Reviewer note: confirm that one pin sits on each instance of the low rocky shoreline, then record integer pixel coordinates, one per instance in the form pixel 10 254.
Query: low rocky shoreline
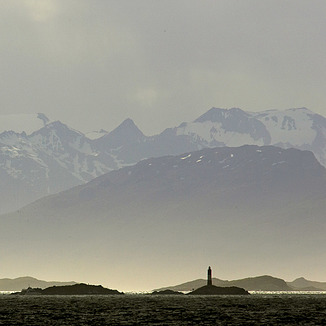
pixel 76 289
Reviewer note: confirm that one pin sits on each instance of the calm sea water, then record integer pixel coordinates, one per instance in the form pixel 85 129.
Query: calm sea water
pixel 257 309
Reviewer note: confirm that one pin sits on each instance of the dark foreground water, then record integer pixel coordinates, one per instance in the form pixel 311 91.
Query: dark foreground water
pixel 163 310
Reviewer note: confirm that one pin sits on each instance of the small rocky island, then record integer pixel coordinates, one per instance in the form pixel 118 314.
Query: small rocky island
pixel 211 289
pixel 76 289
pixel 219 290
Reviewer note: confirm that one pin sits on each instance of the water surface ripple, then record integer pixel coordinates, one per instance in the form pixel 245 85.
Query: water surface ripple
pixel 163 310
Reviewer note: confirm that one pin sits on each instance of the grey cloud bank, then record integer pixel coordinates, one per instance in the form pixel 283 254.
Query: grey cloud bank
pixel 94 63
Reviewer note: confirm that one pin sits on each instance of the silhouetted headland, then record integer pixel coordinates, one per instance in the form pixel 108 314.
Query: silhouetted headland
pixel 76 289
pixel 218 290
pixel 210 289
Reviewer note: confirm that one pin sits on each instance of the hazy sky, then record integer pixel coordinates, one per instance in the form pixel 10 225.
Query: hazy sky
pixel 93 63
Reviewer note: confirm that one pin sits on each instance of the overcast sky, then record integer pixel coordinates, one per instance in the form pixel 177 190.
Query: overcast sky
pixel 93 63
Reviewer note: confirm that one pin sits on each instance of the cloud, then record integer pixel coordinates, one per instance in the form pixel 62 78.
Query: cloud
pixel 159 62
pixel 146 97
pixel 41 10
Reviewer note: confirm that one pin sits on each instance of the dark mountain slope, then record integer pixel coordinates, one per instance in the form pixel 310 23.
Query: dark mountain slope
pixel 244 207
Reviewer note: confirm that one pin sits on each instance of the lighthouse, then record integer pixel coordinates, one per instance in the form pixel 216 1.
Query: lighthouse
pixel 209 276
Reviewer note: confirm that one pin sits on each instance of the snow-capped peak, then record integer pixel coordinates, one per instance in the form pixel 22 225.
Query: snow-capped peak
pixel 217 114
pixel 295 127
pixel 226 127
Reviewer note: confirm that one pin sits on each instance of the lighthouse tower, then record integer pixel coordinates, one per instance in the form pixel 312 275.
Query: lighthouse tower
pixel 209 276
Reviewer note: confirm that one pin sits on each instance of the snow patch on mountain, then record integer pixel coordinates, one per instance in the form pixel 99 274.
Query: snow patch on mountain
pixel 292 126
pixel 214 135
pixel 96 134
pixel 298 128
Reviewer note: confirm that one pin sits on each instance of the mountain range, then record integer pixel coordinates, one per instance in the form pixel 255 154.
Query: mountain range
pixel 47 156
pixel 256 209
pixel 258 283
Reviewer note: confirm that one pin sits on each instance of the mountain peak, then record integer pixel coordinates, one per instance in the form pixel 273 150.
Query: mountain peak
pixel 216 114
pixel 127 122
pixel 58 128
pixel 300 279
pixel 57 125
pixel 128 125
pixel 127 130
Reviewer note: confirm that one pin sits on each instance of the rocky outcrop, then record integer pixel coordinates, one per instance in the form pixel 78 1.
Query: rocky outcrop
pixel 217 290
pixel 76 289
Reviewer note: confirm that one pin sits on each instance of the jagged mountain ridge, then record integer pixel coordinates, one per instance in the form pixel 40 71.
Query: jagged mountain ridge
pixel 49 160
pixel 244 205
pixel 56 157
